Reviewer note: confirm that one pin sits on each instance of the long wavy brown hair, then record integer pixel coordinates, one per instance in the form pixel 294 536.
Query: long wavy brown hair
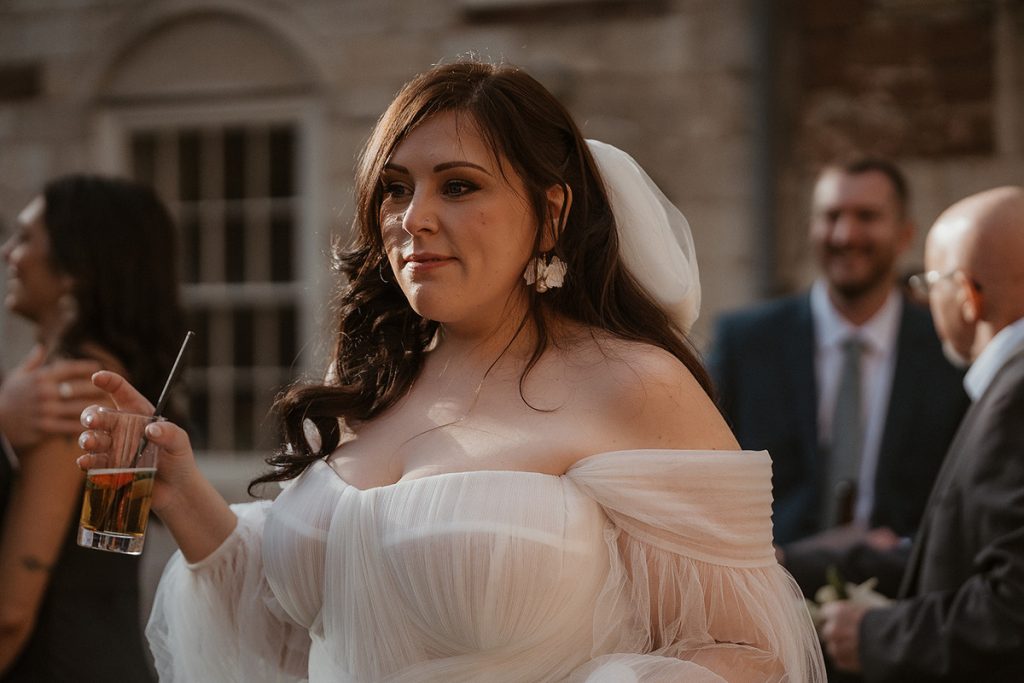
pixel 380 344
pixel 117 241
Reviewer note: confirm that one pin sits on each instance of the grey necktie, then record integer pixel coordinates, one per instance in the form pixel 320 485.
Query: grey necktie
pixel 847 439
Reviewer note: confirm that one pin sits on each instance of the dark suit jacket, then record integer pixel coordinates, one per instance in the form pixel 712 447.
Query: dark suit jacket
pixel 963 616
pixel 763 367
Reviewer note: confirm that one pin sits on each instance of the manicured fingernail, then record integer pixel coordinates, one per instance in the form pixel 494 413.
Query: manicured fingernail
pixel 87 419
pixel 82 438
pixel 154 431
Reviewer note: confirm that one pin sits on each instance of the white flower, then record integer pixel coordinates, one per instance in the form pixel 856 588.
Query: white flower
pixel 546 275
pixel 860 594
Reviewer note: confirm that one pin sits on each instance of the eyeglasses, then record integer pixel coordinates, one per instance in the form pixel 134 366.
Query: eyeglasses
pixel 922 283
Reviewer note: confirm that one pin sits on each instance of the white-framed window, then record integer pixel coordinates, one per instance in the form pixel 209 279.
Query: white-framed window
pixel 241 183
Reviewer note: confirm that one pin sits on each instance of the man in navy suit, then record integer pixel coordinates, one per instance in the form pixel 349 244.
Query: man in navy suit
pixel 779 372
pixel 961 612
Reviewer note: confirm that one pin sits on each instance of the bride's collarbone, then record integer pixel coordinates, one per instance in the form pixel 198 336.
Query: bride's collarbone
pixel 381 453
pixel 436 429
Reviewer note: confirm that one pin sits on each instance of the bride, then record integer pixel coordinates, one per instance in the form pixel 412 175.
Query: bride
pixel 514 471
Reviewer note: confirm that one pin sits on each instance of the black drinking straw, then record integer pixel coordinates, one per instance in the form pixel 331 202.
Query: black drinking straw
pixel 161 402
pixel 117 508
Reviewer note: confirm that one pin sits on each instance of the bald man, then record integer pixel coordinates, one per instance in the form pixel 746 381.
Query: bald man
pixel 961 612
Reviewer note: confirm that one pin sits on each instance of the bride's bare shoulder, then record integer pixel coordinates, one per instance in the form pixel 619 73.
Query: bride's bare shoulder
pixel 619 369
pixel 596 353
pixel 647 397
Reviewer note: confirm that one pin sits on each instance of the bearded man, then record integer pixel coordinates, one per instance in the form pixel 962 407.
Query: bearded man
pixel 846 386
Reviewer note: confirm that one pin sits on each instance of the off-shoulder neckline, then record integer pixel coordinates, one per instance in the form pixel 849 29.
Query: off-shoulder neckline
pixel 576 465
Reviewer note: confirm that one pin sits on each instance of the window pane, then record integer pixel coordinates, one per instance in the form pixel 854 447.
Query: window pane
pixel 244 356
pixel 189 222
pixel 282 160
pixel 199 417
pixel 281 241
pixel 234 245
pixel 144 158
pixel 287 329
pixel 220 345
pixel 268 436
pixel 244 425
pixel 234 163
pixel 188 165
pixel 198 322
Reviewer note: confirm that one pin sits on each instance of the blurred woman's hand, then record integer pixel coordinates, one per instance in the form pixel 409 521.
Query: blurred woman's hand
pixel 38 400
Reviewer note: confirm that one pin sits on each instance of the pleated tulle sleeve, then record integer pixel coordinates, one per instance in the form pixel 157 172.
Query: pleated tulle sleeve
pixel 217 620
pixel 694 591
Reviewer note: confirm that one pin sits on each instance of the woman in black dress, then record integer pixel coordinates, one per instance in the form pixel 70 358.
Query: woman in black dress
pixel 90 261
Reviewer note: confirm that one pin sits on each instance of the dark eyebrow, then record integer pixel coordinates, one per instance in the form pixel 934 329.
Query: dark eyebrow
pixel 457 164
pixel 440 167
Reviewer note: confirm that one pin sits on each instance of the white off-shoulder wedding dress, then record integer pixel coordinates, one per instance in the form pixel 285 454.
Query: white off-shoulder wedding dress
pixel 633 566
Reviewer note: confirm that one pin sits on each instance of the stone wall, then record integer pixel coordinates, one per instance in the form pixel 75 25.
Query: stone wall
pixel 729 104
pixel 668 81
pixel 935 85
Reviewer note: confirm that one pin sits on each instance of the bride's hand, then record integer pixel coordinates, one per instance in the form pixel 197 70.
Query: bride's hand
pixel 176 465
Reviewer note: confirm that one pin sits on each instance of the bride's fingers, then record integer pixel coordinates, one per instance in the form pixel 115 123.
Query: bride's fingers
pixel 170 437
pixel 93 418
pixel 94 441
pixel 99 418
pixel 92 461
pixel 124 395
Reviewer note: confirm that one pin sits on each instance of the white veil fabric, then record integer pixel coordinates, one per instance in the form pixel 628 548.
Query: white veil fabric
pixel 654 238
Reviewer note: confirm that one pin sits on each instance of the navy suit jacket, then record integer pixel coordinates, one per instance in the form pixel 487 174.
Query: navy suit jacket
pixel 962 618
pixel 763 367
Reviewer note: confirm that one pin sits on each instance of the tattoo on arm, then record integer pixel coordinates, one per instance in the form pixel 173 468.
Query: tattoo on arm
pixel 34 564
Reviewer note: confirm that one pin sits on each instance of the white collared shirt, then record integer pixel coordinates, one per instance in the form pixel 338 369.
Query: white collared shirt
pixel 992 358
pixel 878 365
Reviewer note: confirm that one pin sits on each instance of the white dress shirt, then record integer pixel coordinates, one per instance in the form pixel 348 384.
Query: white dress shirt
pixel 992 358
pixel 878 364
